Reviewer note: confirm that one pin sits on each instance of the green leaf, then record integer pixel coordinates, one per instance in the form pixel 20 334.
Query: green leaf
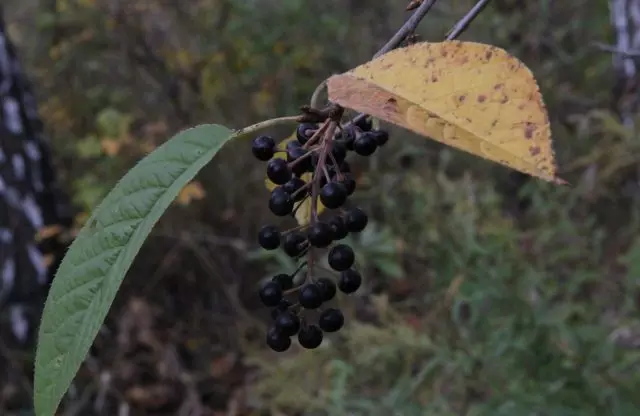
pixel 93 269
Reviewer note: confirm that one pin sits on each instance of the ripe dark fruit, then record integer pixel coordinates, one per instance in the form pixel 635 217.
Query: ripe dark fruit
pixel 288 323
pixel 381 136
pixel 278 171
pixel 305 132
pixel 347 135
pixel 350 281
pixel 284 280
pixel 269 237
pixel 365 124
pixel 292 186
pixel 278 341
pixel 338 227
pixel 365 145
pixel 263 148
pixel 294 243
pixel 356 220
pixel 310 337
pixel 281 307
pixel 341 257
pixel 280 202
pixel 331 320
pixel 271 294
pixel 320 235
pixel 339 152
pixel 349 184
pixel 327 288
pixel 310 296
pixel 303 163
pixel 333 195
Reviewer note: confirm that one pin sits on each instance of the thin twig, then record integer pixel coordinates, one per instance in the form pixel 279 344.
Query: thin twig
pixel 613 49
pixel 466 20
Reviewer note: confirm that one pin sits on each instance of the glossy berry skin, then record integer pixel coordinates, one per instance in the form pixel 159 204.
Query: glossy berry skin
pixel 263 148
pixel 271 294
pixel 287 323
pixel 356 220
pixel 350 281
pixel 338 227
pixel 278 341
pixel 278 172
pixel 281 307
pixel 269 237
pixel 304 164
pixel 365 124
pixel 333 195
pixel 365 145
pixel 331 320
pixel 381 137
pixel 285 281
pixel 305 131
pixel 292 186
pixel 341 257
pixel 347 135
pixel 320 234
pixel 327 288
pixel 339 152
pixel 293 244
pixel 349 184
pixel 310 296
pixel 310 337
pixel 280 202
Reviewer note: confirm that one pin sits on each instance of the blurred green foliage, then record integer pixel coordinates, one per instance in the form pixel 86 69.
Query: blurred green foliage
pixel 485 294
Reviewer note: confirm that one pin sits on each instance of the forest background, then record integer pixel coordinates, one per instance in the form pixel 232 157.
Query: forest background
pixel 486 293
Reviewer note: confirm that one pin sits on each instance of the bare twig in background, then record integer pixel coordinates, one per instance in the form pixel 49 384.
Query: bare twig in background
pixel 412 23
pixel 613 49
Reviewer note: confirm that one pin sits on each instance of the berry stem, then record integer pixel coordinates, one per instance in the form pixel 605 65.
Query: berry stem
pixel 304 156
pixel 265 124
pixel 317 135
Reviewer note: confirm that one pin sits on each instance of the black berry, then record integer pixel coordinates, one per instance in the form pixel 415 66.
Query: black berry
pixel 281 307
pixel 339 228
pixel 305 131
pixel 278 341
pixel 365 124
pixel 284 280
pixel 327 288
pixel 269 237
pixel 331 320
pixel 292 186
pixel 345 167
pixel 341 257
pixel 333 195
pixel 288 323
pixel 381 137
pixel 350 281
pixel 310 296
pixel 278 171
pixel 349 184
pixel 365 145
pixel 320 235
pixel 280 202
pixel 271 294
pixel 299 154
pixel 347 135
pixel 310 337
pixel 339 152
pixel 294 243
pixel 263 148
pixel 356 220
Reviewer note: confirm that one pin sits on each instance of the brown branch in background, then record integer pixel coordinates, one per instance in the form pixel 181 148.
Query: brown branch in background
pixel 412 23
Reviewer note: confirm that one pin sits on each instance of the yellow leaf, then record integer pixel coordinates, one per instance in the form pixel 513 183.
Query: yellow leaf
pixel 468 95
pixel 192 191
pixel 303 214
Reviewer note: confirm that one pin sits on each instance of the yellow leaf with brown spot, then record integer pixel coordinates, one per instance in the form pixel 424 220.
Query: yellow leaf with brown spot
pixel 303 213
pixel 192 191
pixel 467 95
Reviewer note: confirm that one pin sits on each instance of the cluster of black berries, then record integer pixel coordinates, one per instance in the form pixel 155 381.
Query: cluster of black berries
pixel 321 151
